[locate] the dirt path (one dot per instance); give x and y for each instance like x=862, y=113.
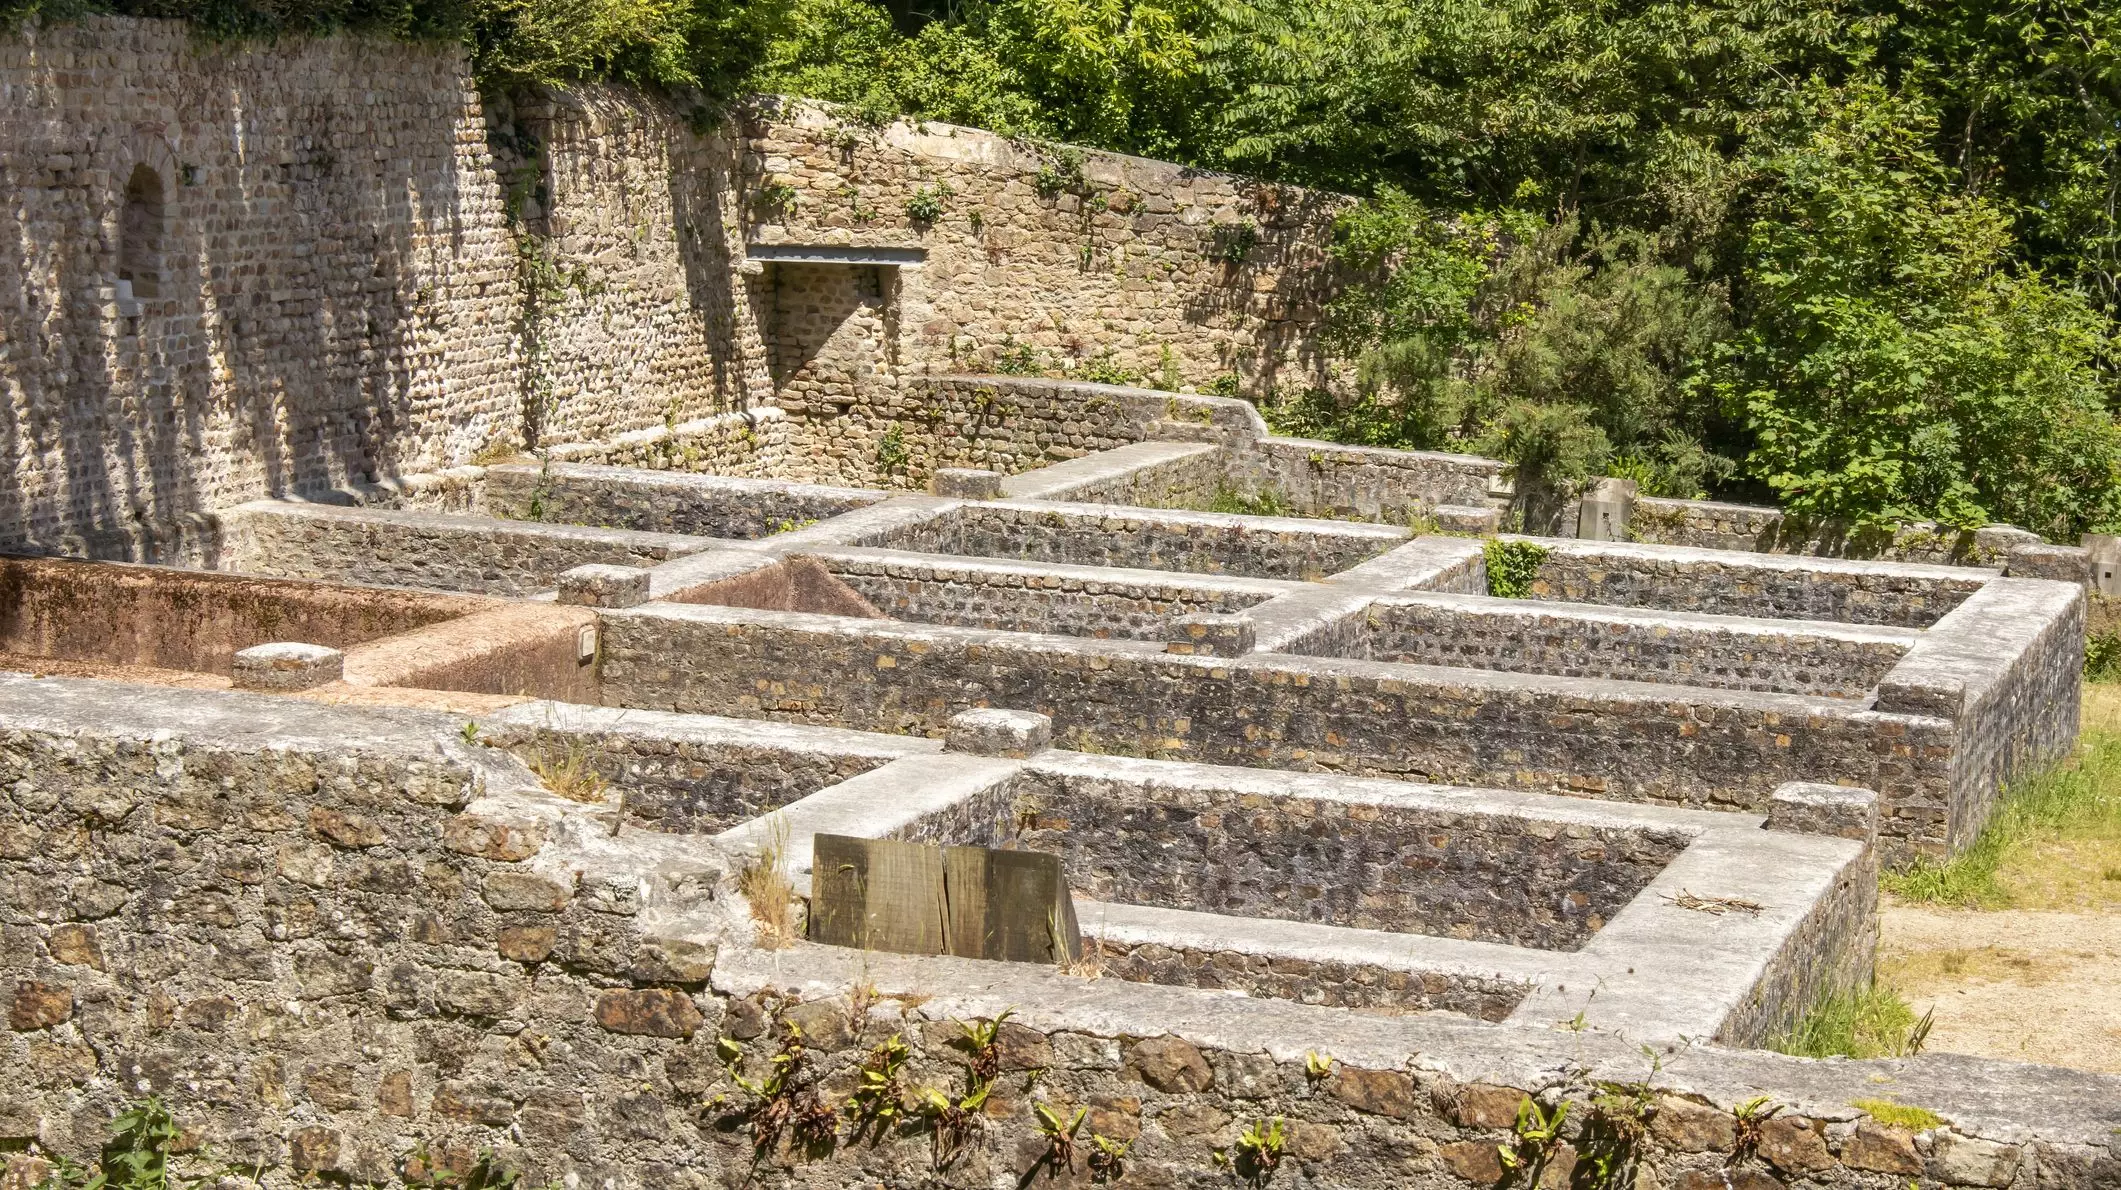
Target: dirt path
x=2024, y=985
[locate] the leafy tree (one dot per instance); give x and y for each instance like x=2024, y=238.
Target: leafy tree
x=1896, y=367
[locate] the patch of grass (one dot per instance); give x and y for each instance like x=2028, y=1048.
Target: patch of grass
x=2048, y=836
x=1264, y=502
x=569, y=772
x=765, y=883
x=1899, y=1115
x=1871, y=1022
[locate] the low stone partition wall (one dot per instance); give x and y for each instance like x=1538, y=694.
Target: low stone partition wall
x=1672, y=578
x=663, y=501
x=1583, y=640
x=1143, y=475
x=1099, y=535
x=1714, y=524
x=1073, y=600
x=1367, y=483
x=195, y=620
x=431, y=550
x=1368, y=855
x=691, y=774
x=340, y=942
x=532, y=650
x=1623, y=741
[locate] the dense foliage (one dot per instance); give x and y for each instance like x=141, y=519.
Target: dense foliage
x=1861, y=256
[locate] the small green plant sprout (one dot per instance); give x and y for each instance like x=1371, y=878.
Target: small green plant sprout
x=1612, y=1138
x=1108, y=1158
x=1167, y=376
x=778, y=1100
x=1532, y=1137
x=982, y=1042
x=891, y=452
x=1234, y=242
x=1061, y=169
x=951, y=1122
x=1317, y=1066
x=1260, y=1148
x=1225, y=385
x=1899, y=1115
x=777, y=196
x=1512, y=567
x=1059, y=1156
x=470, y=732
x=136, y=1157
x=926, y=205
x=1751, y=1116
x=878, y=1103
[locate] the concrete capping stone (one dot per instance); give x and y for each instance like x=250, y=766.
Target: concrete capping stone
x=1815, y=808
x=1943, y=698
x=1602, y=515
x=2063, y=563
x=2103, y=552
x=287, y=665
x=991, y=731
x=966, y=483
x=1211, y=635
x=1466, y=518
x=600, y=585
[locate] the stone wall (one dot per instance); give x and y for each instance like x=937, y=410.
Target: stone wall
x=195, y=620
x=1327, y=479
x=1713, y=524
x=1624, y=741
x=662, y=502
x=323, y=286
x=1371, y=863
x=1692, y=580
x=1091, y=535
x=1719, y=652
x=433, y=550
x=1073, y=601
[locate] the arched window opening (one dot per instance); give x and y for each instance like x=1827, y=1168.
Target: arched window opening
x=140, y=234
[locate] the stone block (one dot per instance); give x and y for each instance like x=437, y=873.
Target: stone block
x=1210, y=635
x=1170, y=1065
x=1968, y=1161
x=989, y=731
x=1603, y=513
x=599, y=585
x=2103, y=553
x=287, y=665
x=2063, y=563
x=1477, y=520
x=1812, y=808
x=966, y=483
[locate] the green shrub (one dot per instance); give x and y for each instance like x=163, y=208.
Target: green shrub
x=1512, y=566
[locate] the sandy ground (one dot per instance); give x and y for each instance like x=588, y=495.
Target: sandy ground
x=2030, y=986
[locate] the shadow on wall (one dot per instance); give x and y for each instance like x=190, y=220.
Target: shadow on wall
x=258, y=312
x=1283, y=232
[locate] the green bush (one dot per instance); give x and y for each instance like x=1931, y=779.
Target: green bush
x=1512, y=566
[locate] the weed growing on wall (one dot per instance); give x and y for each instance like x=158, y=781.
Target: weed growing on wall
x=766, y=884
x=1264, y=502
x=1512, y=565
x=1868, y=1022
x=891, y=453
x=926, y=205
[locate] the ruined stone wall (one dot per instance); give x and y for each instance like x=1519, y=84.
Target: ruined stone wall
x=1362, y=863
x=1526, y=637
x=974, y=595
x=1713, y=524
x=1330, y=982
x=1090, y=535
x=1626, y=741
x=664, y=502
x=324, y=289
x=1692, y=580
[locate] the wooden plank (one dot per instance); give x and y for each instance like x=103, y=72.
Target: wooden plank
x=1030, y=914
x=965, y=889
x=878, y=894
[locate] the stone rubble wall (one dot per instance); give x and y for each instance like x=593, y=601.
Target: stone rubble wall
x=1328, y=479
x=1364, y=863
x=1623, y=741
x=1683, y=579
x=335, y=297
x=1020, y=598
x=432, y=550
x=662, y=501
x=1713, y=524
x=1095, y=535
x=1583, y=641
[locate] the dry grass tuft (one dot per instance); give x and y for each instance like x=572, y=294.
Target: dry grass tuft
x=571, y=773
x=765, y=883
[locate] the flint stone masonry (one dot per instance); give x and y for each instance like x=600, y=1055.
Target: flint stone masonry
x=1583, y=640
x=1677, y=579
x=1094, y=535
x=433, y=550
x=663, y=501
x=287, y=665
x=1076, y=600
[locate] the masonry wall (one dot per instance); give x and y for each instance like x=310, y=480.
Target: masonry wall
x=1365, y=864
x=1693, y=580
x=334, y=284
x=662, y=502
x=1023, y=599
x=1626, y=741
x=1328, y=982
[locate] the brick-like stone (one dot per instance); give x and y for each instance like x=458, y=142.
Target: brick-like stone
x=653, y=1012
x=287, y=665
x=1881, y=1149
x=1484, y=1105
x=1476, y=1161
x=525, y=892
x=1379, y=1092
x=39, y=1006
x=1169, y=1064
x=1970, y=1161
x=347, y=830
x=1794, y=1145
x=1691, y=1127
x=526, y=944
x=487, y=838
x=988, y=731
x=598, y=585
x=75, y=945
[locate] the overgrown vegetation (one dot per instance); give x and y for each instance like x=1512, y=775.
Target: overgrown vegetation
x=1512, y=566
x=770, y=890
x=2078, y=801
x=1860, y=256
x=1868, y=1022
